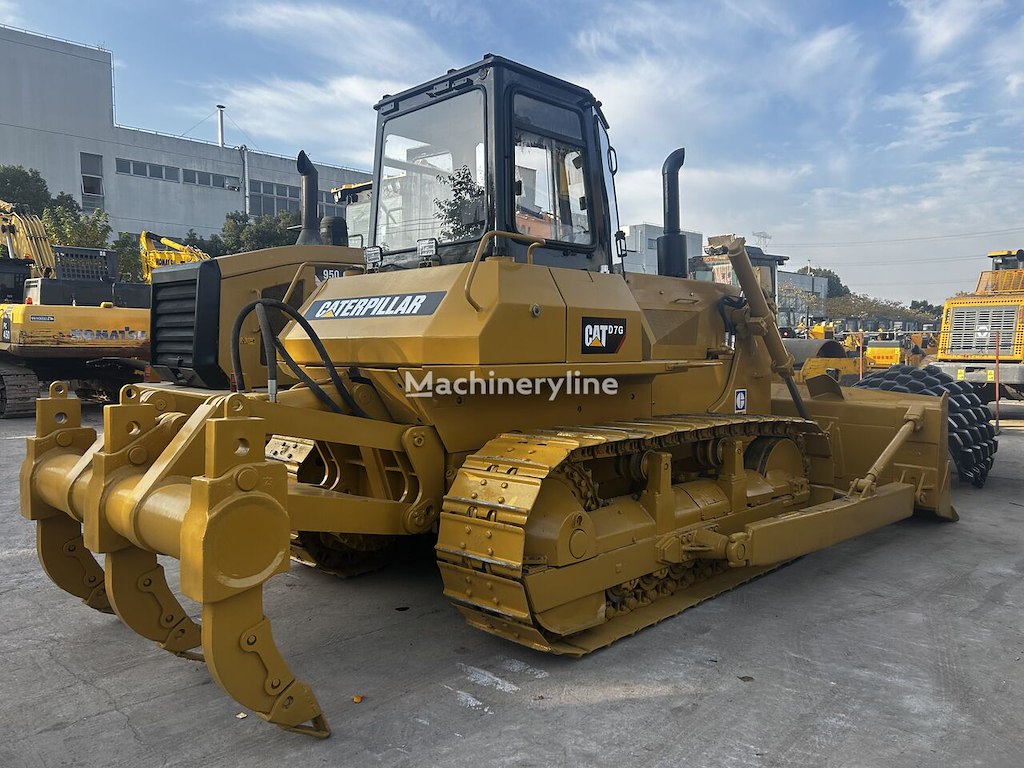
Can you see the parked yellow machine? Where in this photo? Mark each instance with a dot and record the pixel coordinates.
(62, 308)
(590, 452)
(158, 251)
(972, 322)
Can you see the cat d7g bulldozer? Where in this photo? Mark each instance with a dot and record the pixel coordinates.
(590, 451)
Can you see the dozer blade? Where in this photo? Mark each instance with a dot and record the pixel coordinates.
(195, 487)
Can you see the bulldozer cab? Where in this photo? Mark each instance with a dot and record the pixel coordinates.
(493, 146)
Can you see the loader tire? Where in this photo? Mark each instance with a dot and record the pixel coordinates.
(972, 438)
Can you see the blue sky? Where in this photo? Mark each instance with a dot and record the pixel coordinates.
(849, 131)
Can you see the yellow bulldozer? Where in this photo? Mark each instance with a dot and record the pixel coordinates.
(589, 451)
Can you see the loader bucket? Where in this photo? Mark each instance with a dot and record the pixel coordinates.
(167, 483)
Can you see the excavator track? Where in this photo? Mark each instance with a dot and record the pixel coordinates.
(19, 388)
(504, 588)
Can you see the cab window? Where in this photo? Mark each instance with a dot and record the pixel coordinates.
(550, 176)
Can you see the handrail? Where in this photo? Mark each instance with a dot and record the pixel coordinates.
(303, 265)
(533, 241)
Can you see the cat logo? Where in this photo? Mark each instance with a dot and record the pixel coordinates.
(602, 335)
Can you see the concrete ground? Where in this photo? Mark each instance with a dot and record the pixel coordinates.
(901, 648)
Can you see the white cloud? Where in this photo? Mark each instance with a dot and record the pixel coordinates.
(811, 129)
(939, 25)
(332, 119)
(10, 14)
(763, 16)
(1003, 58)
(359, 39)
(929, 119)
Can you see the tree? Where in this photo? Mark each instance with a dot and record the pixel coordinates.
(67, 227)
(934, 311)
(241, 233)
(461, 214)
(212, 245)
(836, 288)
(64, 200)
(871, 309)
(797, 305)
(129, 262)
(24, 187)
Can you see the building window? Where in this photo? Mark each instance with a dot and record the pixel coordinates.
(652, 244)
(217, 180)
(92, 185)
(92, 182)
(269, 199)
(147, 170)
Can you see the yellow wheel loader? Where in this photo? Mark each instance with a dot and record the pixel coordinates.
(981, 340)
(590, 452)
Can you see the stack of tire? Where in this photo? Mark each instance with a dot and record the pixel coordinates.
(972, 438)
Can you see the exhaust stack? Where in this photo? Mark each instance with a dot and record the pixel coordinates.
(309, 234)
(672, 244)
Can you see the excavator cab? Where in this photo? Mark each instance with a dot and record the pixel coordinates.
(496, 146)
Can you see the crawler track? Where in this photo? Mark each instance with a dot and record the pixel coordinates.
(19, 388)
(489, 547)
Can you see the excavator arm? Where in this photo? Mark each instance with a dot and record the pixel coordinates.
(171, 252)
(25, 238)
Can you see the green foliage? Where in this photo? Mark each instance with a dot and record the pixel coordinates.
(129, 262)
(462, 214)
(934, 311)
(871, 309)
(836, 287)
(212, 245)
(242, 234)
(64, 200)
(24, 187)
(65, 226)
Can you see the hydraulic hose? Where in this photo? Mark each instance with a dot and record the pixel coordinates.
(292, 313)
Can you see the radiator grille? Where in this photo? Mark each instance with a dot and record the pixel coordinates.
(972, 330)
(173, 319)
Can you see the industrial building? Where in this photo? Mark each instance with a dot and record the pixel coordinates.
(798, 296)
(642, 247)
(143, 179)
